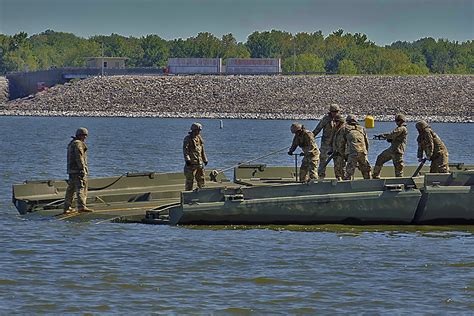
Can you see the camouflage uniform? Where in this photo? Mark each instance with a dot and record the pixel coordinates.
(357, 146)
(305, 140)
(326, 124)
(195, 158)
(434, 148)
(78, 171)
(398, 142)
(339, 152)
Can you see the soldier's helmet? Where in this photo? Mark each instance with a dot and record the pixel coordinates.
(82, 131)
(400, 117)
(196, 127)
(420, 125)
(351, 119)
(339, 118)
(296, 127)
(334, 108)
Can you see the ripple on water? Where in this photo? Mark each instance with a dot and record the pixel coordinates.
(8, 282)
(24, 252)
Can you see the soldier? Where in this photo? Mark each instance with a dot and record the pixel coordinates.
(78, 171)
(194, 157)
(305, 140)
(357, 146)
(398, 141)
(339, 147)
(326, 124)
(434, 148)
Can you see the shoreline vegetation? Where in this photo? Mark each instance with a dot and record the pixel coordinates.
(434, 98)
(338, 52)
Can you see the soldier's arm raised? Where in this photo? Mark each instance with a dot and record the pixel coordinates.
(320, 126)
(393, 134)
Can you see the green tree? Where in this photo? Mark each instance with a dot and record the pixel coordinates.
(206, 45)
(304, 63)
(232, 49)
(155, 51)
(346, 67)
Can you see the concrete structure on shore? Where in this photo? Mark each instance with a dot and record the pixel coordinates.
(442, 98)
(249, 66)
(194, 65)
(106, 62)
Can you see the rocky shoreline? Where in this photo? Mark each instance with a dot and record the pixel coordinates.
(440, 98)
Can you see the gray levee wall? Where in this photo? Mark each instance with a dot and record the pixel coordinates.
(195, 65)
(22, 84)
(249, 66)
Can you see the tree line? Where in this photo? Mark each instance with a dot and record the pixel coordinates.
(339, 52)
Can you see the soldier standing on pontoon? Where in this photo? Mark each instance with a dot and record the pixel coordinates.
(305, 140)
(326, 124)
(434, 148)
(398, 141)
(194, 157)
(339, 147)
(357, 146)
(78, 171)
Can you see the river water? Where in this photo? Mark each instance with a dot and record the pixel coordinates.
(49, 266)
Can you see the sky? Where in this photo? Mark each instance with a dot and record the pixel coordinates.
(383, 21)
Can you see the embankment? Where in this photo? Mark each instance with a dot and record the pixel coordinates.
(440, 98)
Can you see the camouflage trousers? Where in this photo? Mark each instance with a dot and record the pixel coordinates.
(323, 157)
(385, 156)
(308, 168)
(76, 184)
(439, 163)
(339, 166)
(357, 160)
(193, 172)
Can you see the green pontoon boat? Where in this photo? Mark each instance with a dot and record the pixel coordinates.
(266, 198)
(127, 196)
(261, 194)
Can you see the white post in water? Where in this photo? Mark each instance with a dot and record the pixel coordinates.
(221, 124)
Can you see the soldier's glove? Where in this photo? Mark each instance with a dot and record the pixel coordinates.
(336, 154)
(301, 154)
(205, 163)
(188, 162)
(82, 173)
(290, 153)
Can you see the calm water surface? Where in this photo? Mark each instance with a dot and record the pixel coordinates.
(49, 266)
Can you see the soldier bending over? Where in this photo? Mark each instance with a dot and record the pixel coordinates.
(398, 141)
(434, 148)
(305, 140)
